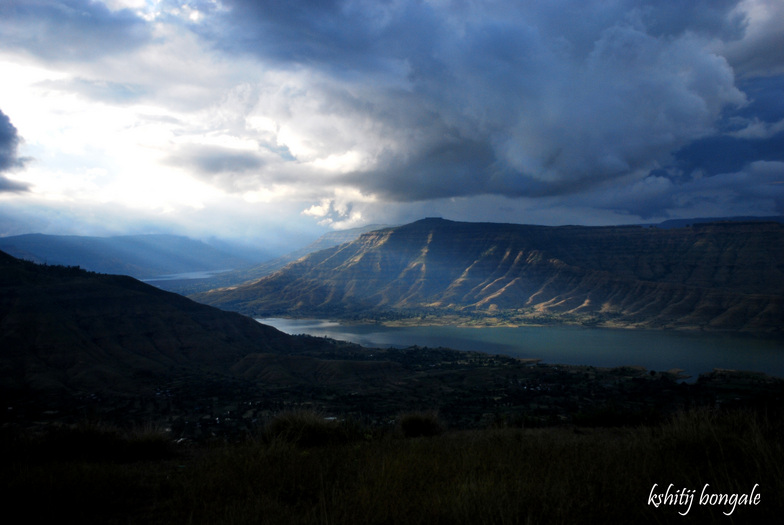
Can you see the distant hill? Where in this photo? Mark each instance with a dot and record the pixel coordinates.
(722, 276)
(140, 256)
(251, 273)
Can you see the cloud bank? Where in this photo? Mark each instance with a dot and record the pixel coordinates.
(451, 99)
(375, 111)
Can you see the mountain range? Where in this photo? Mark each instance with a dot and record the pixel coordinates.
(716, 276)
(140, 256)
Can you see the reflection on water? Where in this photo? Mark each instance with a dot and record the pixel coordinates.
(695, 353)
(186, 275)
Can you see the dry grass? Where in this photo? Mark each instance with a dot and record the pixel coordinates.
(498, 476)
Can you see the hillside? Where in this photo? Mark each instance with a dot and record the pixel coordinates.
(64, 329)
(75, 343)
(250, 273)
(724, 276)
(140, 256)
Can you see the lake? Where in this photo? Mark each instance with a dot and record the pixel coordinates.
(204, 274)
(660, 350)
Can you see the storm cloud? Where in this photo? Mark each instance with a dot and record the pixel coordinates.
(221, 166)
(518, 100)
(9, 159)
(70, 30)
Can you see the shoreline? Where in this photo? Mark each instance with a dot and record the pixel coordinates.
(458, 321)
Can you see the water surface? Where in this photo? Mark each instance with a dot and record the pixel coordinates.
(203, 274)
(695, 353)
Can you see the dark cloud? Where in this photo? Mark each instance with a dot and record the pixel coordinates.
(761, 51)
(9, 142)
(215, 160)
(336, 35)
(757, 189)
(358, 33)
(752, 133)
(229, 168)
(70, 29)
(9, 159)
(517, 99)
(766, 98)
(10, 186)
(716, 18)
(458, 167)
(726, 154)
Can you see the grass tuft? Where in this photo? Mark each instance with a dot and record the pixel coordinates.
(309, 429)
(420, 424)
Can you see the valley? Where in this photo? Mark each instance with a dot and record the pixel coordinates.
(77, 344)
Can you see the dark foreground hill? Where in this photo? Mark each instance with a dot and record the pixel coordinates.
(74, 342)
(65, 329)
(723, 276)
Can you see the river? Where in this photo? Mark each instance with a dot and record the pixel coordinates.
(694, 353)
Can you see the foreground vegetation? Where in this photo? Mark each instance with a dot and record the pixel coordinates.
(301, 468)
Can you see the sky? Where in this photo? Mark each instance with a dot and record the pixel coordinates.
(274, 122)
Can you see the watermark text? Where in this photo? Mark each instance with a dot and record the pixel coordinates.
(686, 497)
